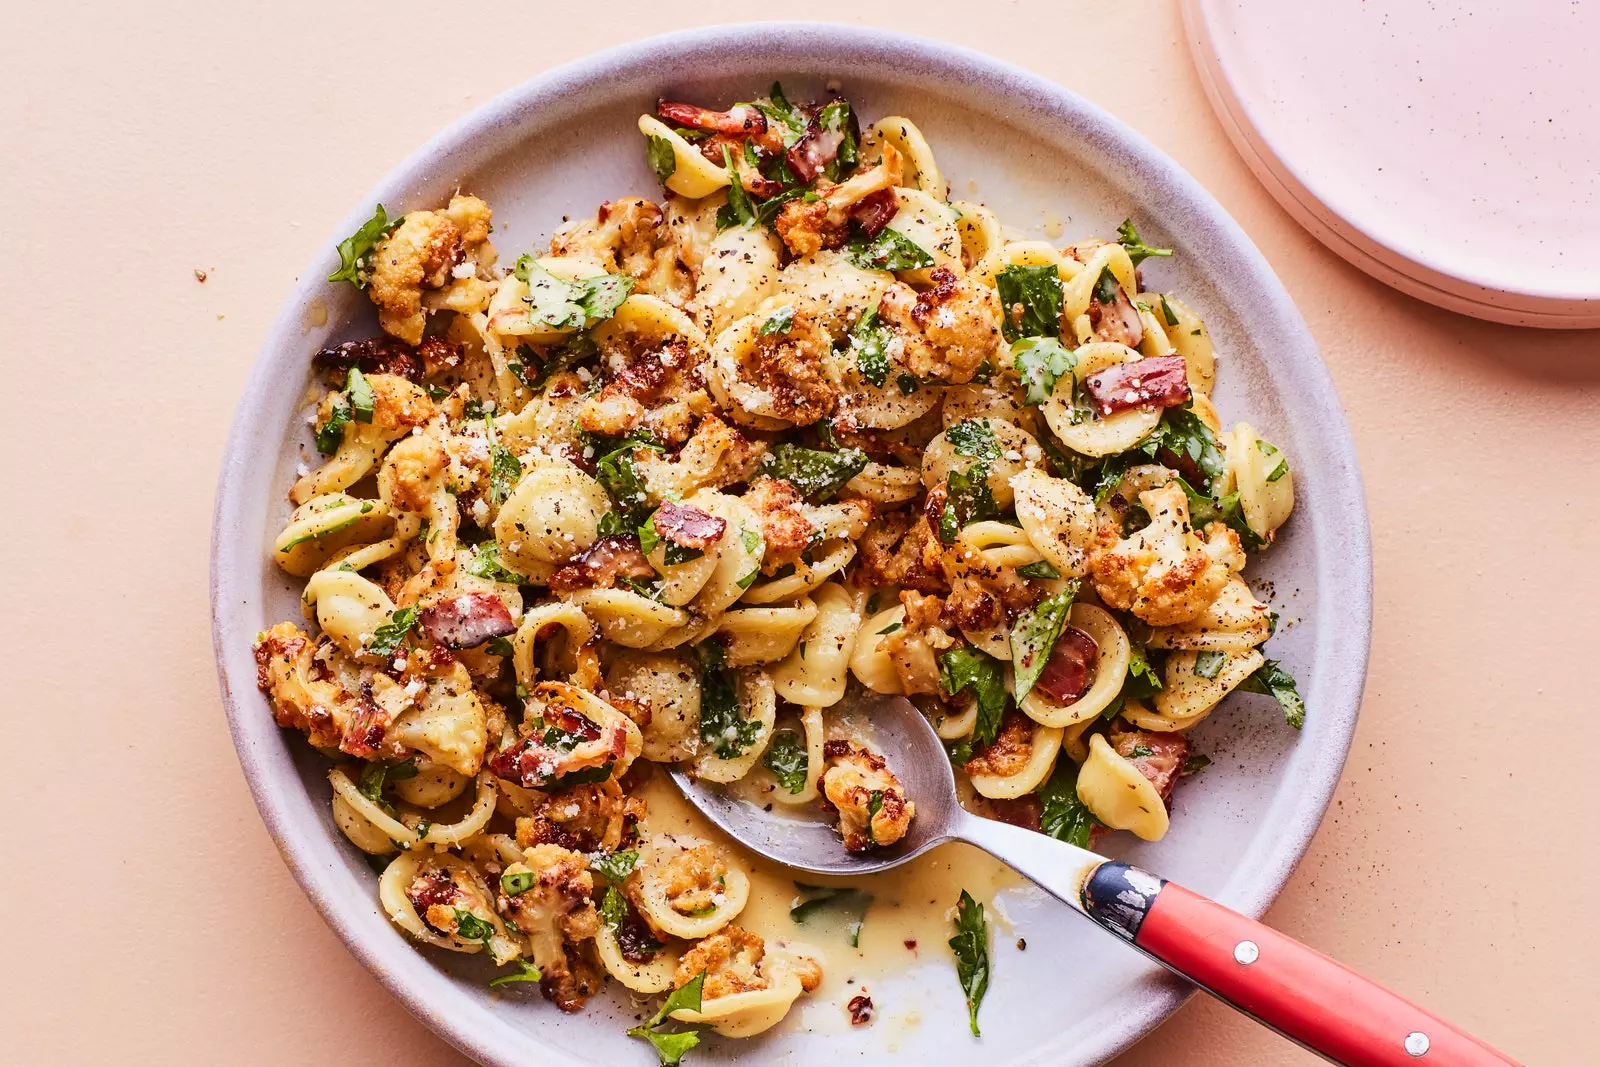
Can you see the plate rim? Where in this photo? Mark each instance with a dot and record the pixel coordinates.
(1411, 272)
(429, 994)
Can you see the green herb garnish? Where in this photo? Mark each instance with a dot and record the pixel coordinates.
(971, 946)
(1030, 298)
(359, 392)
(890, 250)
(330, 435)
(788, 760)
(1062, 815)
(354, 250)
(780, 321)
(616, 866)
(670, 1047)
(818, 475)
(525, 972)
(486, 563)
(570, 305)
(1033, 637)
(966, 667)
(870, 343)
(1040, 362)
(1137, 250)
(1272, 680)
(516, 882)
(387, 638)
(663, 160)
(852, 903)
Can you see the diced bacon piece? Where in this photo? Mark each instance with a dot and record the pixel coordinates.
(613, 557)
(1156, 382)
(874, 211)
(742, 120)
(1158, 756)
(468, 620)
(689, 527)
(1024, 811)
(1070, 670)
(812, 153)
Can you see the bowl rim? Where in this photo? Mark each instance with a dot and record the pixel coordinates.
(1342, 651)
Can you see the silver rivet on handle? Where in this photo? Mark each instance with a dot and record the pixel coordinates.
(1417, 1043)
(1246, 953)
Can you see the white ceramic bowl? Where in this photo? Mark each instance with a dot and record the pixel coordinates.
(560, 144)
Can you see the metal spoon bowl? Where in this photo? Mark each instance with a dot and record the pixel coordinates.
(1273, 978)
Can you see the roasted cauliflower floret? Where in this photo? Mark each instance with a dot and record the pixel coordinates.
(731, 959)
(791, 527)
(693, 881)
(947, 331)
(584, 818)
(307, 695)
(471, 216)
(557, 917)
(899, 549)
(873, 809)
(453, 902)
(625, 236)
(1165, 573)
(653, 386)
(715, 455)
(421, 254)
(791, 369)
(398, 406)
(809, 226)
(914, 647)
(1011, 750)
(417, 462)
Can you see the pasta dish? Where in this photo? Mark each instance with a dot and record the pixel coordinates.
(663, 493)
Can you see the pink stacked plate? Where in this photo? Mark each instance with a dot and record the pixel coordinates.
(1449, 150)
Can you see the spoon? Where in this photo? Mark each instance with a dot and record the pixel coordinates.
(1273, 978)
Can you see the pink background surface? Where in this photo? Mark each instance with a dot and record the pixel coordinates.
(151, 921)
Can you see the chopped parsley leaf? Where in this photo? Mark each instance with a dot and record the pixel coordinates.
(354, 250)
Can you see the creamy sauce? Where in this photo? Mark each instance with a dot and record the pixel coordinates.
(906, 927)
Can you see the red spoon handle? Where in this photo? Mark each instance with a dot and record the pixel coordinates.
(1296, 990)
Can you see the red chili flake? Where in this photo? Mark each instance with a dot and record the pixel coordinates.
(602, 563)
(688, 527)
(738, 120)
(911, 944)
(860, 1010)
(874, 211)
(1158, 382)
(1069, 672)
(468, 620)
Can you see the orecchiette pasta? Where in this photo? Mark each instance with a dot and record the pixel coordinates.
(681, 483)
(814, 674)
(686, 887)
(1119, 795)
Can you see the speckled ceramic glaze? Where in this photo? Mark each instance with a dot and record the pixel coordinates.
(1037, 154)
